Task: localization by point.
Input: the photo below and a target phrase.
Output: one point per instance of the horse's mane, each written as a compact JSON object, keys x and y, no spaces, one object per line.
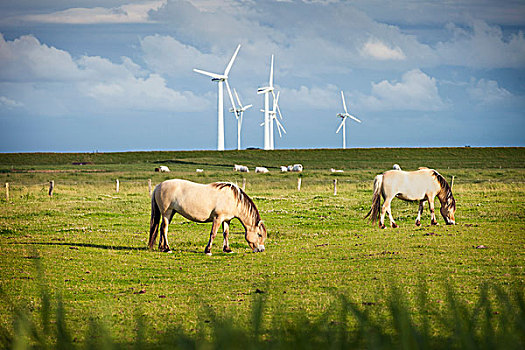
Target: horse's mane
{"x":242,"y":198}
{"x":446,"y":190}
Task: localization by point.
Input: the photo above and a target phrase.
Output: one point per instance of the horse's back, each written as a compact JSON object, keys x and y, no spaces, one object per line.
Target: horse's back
{"x":194,"y":201}
{"x":409,"y":185}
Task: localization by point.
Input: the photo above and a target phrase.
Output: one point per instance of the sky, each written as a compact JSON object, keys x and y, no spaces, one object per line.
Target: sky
{"x":112,"y":75}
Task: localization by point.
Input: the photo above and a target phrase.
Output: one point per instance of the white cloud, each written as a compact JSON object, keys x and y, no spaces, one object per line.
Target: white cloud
{"x":487,"y":92}
{"x":309,"y":97}
{"x":129,"y":13}
{"x":39,"y":73}
{"x":482,"y":46}
{"x":167,"y":55}
{"x":9,"y":103}
{"x":416,"y":91}
{"x":26,"y":59}
{"x":151,"y":93}
{"x":378,"y":50}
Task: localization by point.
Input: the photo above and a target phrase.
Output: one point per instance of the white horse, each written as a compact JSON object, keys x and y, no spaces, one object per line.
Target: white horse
{"x":218,"y":202}
{"x":421,"y":185}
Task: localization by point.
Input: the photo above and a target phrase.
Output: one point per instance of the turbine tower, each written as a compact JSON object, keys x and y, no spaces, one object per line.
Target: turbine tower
{"x":273,"y":116}
{"x":344,"y":116}
{"x":220,"y":78}
{"x":267,"y":121}
{"x":239,"y":112}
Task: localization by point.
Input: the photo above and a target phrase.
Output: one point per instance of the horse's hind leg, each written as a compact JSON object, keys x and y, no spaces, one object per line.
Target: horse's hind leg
{"x":419,"y":212}
{"x":214,"y":228}
{"x":163,"y":239}
{"x":387,"y":209}
{"x":390,"y":217}
{"x":225,"y":233}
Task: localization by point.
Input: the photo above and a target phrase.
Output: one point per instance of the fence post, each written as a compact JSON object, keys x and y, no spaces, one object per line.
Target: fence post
{"x":299,"y":180}
{"x":452,"y":182}
{"x":51,"y":187}
{"x":117,"y":185}
{"x":243,"y":183}
{"x":149,"y":187}
{"x":7,"y":191}
{"x":335,"y":187}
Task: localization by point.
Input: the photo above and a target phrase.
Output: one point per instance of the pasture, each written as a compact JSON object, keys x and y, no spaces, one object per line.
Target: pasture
{"x":87,"y":244}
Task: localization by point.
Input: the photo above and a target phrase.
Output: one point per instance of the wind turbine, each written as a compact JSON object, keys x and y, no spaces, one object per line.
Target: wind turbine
{"x":239,"y":112}
{"x":344,"y":116}
{"x":273,"y":116}
{"x":267,"y":121}
{"x":220,"y":78}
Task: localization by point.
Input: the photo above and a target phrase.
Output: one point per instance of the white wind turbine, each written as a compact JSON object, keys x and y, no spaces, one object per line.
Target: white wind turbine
{"x":239,"y":112}
{"x":273,"y":116}
{"x":344,"y":116}
{"x":220,"y":78}
{"x":267,"y":121}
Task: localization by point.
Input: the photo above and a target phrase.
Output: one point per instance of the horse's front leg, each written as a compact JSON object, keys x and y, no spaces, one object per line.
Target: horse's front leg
{"x":225,"y":233}
{"x":213,"y":233}
{"x":433,"y":220}
{"x":419,"y":212}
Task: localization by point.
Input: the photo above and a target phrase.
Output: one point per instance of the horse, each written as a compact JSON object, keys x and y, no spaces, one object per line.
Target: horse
{"x":421,"y":185}
{"x":218,"y":202}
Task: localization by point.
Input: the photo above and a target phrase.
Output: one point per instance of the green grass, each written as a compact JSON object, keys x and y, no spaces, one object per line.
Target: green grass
{"x":90,"y":241}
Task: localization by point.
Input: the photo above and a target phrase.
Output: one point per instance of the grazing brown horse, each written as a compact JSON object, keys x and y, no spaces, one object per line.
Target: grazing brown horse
{"x":421,"y":185}
{"x":218,"y":202}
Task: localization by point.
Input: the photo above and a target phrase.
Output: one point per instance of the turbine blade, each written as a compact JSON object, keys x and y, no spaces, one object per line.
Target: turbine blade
{"x":234,"y":107}
{"x":212,"y":75}
{"x":237,"y":96}
{"x":354,"y":118}
{"x":271,"y":73}
{"x":280,"y":127}
{"x":340,"y":125}
{"x":247,"y":107}
{"x":231,"y":61}
{"x":279,"y":111}
{"x":344,"y":103}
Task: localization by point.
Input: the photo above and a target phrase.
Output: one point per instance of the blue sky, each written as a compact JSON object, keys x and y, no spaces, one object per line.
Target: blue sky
{"x":93,"y":75}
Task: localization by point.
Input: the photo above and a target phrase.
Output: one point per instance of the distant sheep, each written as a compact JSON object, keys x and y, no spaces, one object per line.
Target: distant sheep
{"x":296,"y":168}
{"x":284,"y":169}
{"x":397,"y":167}
{"x":200,"y":170}
{"x":336,"y":170}
{"x":261,"y":170}
{"x":162,"y":169}
{"x":241,"y":168}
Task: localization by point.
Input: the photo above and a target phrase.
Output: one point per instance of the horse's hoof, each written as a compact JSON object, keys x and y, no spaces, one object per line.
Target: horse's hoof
{"x":381,"y":226}
{"x":394,"y":225}
{"x":208,"y":253}
{"x":418,"y":223}
{"x":434,"y":223}
{"x":227,"y":250}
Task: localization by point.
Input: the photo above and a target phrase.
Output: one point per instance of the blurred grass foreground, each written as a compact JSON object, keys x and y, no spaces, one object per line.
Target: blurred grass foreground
{"x":496,"y":321}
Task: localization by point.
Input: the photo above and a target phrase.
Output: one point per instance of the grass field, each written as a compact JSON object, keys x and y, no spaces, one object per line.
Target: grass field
{"x":89,"y":242}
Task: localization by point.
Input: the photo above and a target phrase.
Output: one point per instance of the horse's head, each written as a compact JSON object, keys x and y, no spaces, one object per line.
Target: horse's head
{"x":256,"y":236}
{"x":448,"y":209}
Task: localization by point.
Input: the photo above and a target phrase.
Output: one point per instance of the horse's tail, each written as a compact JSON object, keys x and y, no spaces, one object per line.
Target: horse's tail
{"x":154,"y":221}
{"x":376,"y":199}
